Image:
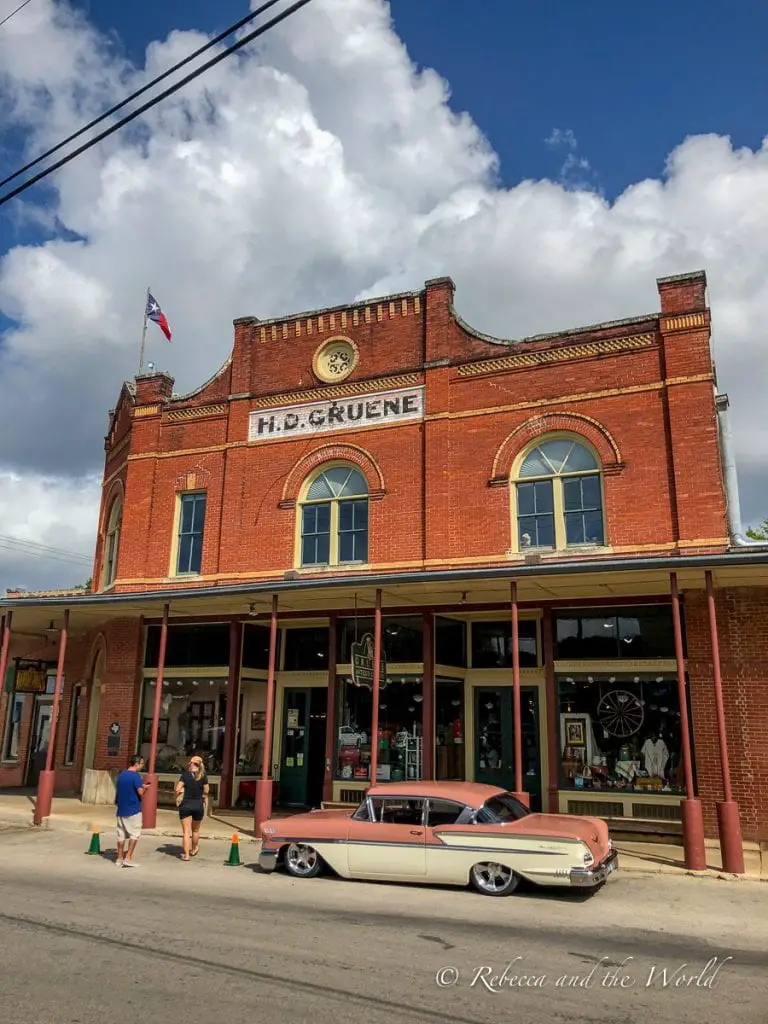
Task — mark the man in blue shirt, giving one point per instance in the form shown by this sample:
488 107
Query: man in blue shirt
129 791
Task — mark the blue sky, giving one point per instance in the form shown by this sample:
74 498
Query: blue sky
587 101
631 80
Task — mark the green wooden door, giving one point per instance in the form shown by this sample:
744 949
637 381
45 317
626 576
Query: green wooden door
294 761
494 739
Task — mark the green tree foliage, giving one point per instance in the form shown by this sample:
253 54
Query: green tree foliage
761 533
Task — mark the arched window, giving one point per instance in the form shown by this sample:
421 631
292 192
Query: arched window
112 543
558 497
334 518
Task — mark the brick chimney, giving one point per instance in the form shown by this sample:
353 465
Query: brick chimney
684 293
153 387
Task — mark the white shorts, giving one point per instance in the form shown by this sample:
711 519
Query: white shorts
129 828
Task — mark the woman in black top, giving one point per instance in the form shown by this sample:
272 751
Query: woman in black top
192 800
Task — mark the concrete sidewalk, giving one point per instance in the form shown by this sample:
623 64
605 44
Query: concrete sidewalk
69 814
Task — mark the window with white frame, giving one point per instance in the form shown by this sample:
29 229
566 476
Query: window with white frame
334 518
558 497
112 542
189 557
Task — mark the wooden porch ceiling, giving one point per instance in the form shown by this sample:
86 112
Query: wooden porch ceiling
33 615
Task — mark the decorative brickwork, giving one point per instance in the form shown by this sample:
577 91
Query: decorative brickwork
576 423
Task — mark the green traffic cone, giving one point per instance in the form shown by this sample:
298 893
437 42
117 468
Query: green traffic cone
234 853
95 846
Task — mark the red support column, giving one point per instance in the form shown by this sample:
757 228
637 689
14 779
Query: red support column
7 620
428 698
729 824
263 809
47 780
330 712
149 800
553 718
517 716
693 821
376 685
230 719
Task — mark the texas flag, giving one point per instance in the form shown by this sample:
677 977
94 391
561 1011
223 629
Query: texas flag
157 316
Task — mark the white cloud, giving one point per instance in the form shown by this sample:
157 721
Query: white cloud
320 167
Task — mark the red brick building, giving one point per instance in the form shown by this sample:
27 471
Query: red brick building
524 511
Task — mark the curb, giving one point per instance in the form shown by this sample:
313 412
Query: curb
165 833
56 825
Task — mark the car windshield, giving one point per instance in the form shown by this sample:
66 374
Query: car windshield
503 807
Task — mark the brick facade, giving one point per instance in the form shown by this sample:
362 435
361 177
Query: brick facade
640 393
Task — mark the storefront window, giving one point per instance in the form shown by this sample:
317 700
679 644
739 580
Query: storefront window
189 646
401 638
492 644
450 642
620 734
251 727
13 727
449 729
256 647
192 716
400 737
636 632
306 649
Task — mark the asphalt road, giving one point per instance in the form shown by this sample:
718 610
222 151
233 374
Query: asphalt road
84 943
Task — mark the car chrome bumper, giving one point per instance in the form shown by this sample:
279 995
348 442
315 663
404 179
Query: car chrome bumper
597 873
267 860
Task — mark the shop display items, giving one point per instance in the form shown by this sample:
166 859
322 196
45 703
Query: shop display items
621 735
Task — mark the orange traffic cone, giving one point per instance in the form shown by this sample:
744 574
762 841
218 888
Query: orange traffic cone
234 852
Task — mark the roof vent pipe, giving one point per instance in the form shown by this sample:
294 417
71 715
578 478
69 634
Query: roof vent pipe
731 478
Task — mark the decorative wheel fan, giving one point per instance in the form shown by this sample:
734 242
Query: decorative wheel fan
621 713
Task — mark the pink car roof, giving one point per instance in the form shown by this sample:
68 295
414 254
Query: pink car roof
474 794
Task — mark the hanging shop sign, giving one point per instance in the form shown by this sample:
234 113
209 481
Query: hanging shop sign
363 662
31 680
379 409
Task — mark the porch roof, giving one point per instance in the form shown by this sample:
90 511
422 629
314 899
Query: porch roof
556 582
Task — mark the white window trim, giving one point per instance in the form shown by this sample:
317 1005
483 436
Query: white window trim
561 547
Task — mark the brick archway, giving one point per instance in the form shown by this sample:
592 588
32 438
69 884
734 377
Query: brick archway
115 492
351 453
539 426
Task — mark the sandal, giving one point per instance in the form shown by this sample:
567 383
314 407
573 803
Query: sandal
195 852
185 856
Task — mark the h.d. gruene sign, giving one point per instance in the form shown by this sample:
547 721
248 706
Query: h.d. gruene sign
337 414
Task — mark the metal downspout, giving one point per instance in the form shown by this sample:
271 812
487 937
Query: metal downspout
735 530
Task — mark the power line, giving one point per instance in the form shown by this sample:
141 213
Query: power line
9 16
35 550
153 102
139 92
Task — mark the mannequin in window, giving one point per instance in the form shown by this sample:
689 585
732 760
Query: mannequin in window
655 755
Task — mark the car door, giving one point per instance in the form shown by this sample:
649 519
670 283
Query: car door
392 844
445 863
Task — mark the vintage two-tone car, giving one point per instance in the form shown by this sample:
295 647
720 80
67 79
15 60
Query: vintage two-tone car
442 833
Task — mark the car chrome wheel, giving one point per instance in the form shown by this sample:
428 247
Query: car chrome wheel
493 879
302 861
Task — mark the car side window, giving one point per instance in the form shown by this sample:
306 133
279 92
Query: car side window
396 811
444 812
362 814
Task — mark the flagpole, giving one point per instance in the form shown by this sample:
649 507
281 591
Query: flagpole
143 335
